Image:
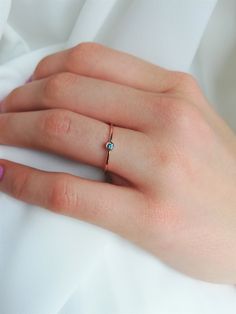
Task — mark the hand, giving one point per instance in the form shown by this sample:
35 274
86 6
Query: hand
173 165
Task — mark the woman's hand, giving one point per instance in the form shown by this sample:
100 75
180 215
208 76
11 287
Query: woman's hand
173 165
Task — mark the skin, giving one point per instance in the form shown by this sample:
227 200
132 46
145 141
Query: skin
173 167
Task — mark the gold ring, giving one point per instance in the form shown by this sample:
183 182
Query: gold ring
109 146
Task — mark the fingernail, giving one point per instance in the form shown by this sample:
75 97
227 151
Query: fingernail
29 80
1 172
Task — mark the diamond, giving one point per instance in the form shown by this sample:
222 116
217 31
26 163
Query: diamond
109 146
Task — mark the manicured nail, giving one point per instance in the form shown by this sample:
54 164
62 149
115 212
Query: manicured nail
1 172
30 79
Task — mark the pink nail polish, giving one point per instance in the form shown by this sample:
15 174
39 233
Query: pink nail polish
1 172
29 80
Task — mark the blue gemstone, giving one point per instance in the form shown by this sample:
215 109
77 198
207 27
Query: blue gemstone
109 146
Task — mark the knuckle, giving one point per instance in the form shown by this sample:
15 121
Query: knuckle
191 126
41 68
166 108
19 185
62 196
179 114
83 54
55 123
186 80
12 97
55 85
156 103
52 86
187 118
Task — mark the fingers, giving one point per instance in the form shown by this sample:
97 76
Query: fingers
77 137
98 61
112 207
101 100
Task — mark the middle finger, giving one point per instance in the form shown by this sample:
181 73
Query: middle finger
102 100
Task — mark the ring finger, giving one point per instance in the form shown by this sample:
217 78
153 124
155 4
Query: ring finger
77 137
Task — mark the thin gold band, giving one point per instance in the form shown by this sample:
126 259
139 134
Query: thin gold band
109 147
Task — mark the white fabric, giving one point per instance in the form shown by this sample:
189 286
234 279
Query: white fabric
54 264
215 63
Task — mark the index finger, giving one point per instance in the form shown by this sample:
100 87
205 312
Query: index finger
97 61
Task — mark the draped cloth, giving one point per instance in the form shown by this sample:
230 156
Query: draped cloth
52 264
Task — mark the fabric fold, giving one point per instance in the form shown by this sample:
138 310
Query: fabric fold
5 6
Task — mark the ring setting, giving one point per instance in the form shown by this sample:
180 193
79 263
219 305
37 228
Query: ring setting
110 145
